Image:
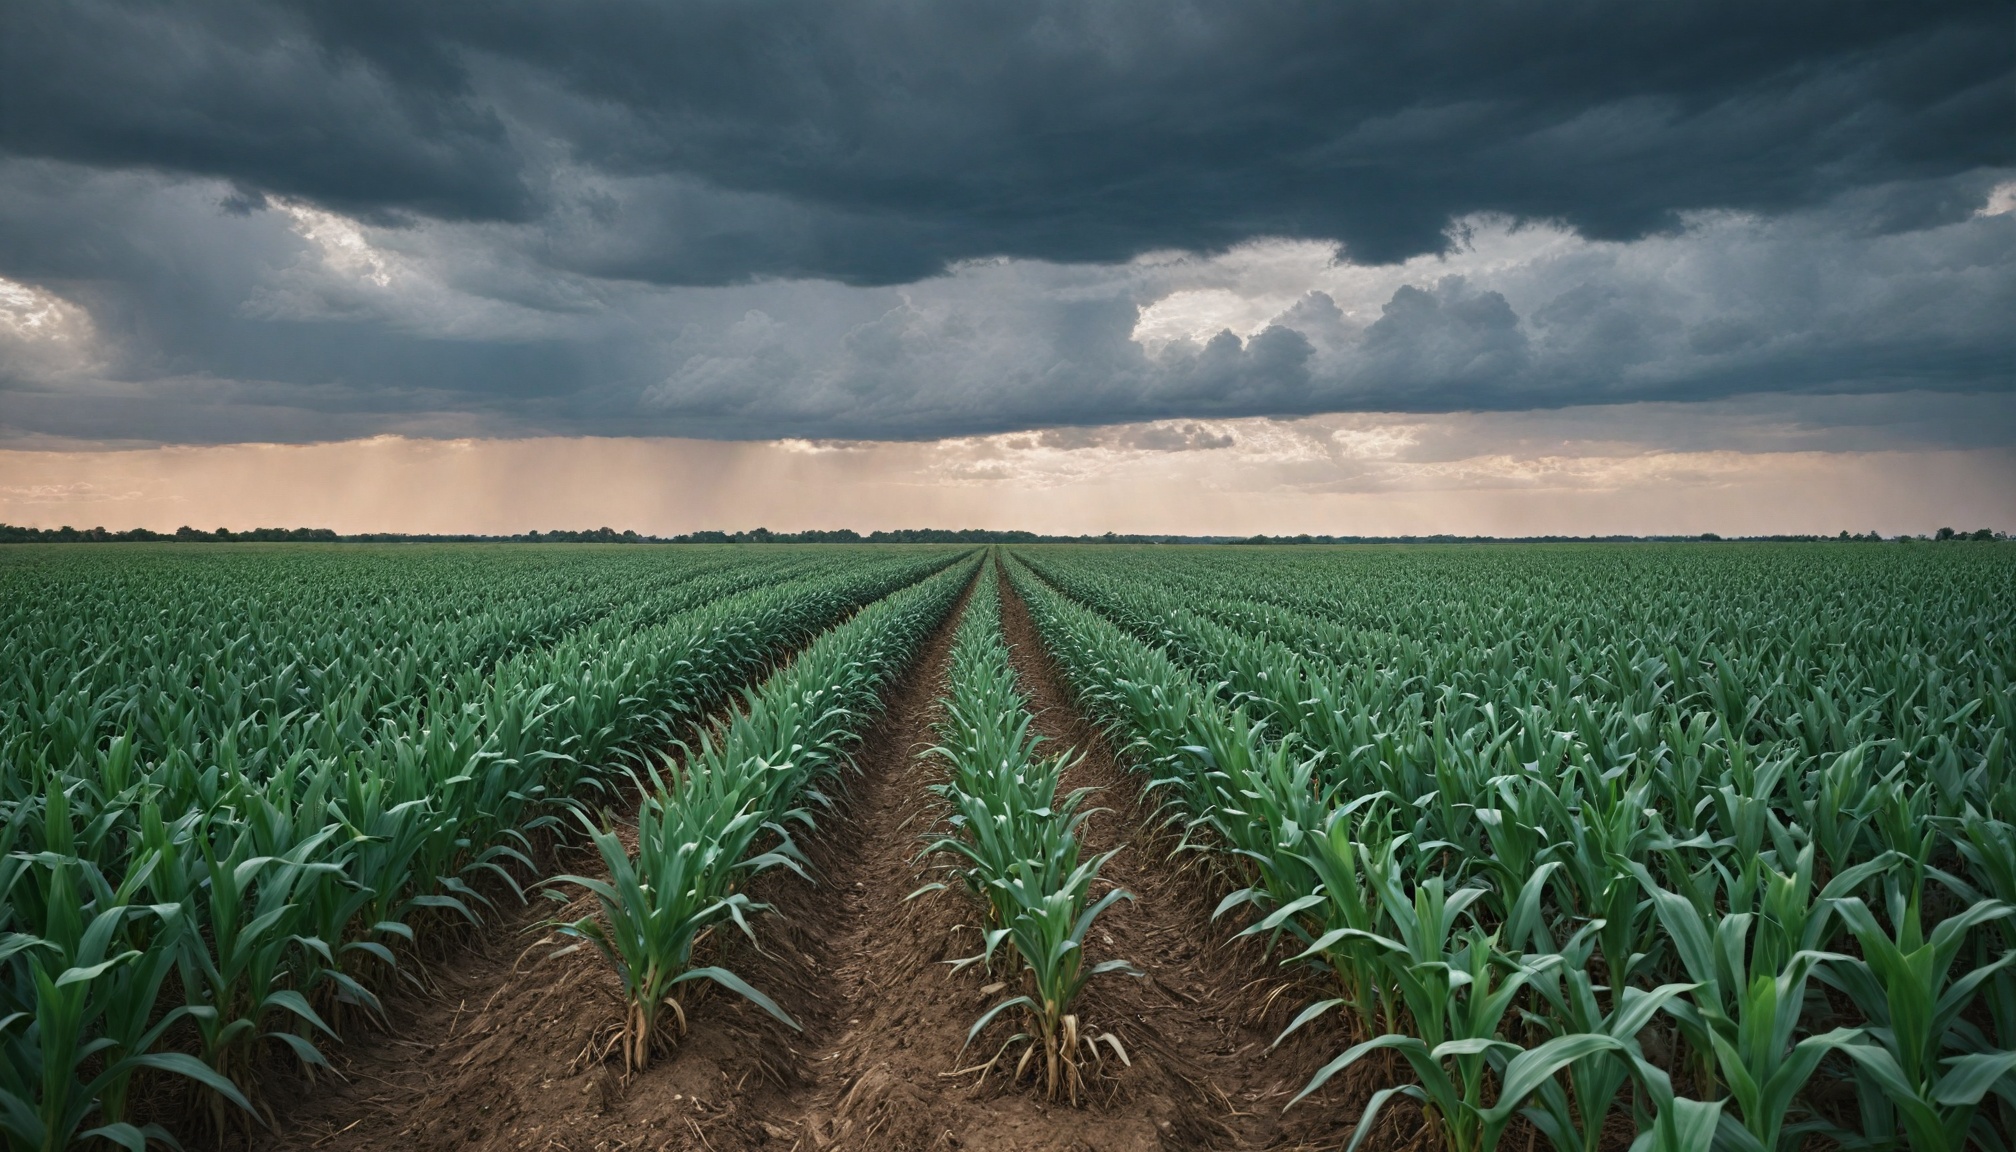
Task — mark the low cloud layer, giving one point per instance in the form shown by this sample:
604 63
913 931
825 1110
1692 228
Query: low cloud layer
151 313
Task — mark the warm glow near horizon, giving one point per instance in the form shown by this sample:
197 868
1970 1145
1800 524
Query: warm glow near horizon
1319 476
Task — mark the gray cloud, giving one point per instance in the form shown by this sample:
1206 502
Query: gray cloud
1448 338
1179 436
299 221
202 322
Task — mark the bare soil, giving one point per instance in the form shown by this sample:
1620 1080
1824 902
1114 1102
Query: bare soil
510 1048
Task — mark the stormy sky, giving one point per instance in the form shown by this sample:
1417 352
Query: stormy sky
1597 230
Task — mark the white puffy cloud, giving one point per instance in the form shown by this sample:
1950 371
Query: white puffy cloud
43 337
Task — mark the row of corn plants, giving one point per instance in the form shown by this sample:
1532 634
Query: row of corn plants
182 653
1014 846
1907 653
1586 892
731 808
184 914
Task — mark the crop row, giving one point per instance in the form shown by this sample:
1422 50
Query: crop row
178 909
728 811
1698 875
192 662
1014 846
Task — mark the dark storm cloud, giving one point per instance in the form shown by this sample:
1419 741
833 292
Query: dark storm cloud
874 142
294 221
254 93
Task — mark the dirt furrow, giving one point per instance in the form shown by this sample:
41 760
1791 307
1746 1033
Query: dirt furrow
887 1017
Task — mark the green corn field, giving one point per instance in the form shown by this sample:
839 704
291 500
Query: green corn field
1530 806
1688 847
255 779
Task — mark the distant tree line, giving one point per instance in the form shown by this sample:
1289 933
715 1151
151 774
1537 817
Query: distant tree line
1844 537
13 534
849 536
558 536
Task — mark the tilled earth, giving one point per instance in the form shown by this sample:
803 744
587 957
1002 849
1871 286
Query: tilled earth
510 1048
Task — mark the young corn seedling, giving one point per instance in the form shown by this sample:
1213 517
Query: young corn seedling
240 971
1047 930
1572 1118
1591 844
73 1043
1747 1002
1345 921
1000 825
655 905
1989 848
1458 1003
1002 798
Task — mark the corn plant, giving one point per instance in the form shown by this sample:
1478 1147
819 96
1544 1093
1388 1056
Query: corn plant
1458 990
79 1022
1572 1117
1749 995
1047 929
1003 809
657 902
1347 921
241 968
1901 984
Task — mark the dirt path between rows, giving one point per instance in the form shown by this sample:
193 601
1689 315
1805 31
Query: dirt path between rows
506 1053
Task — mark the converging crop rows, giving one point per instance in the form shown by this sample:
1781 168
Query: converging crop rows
1700 848
1015 846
